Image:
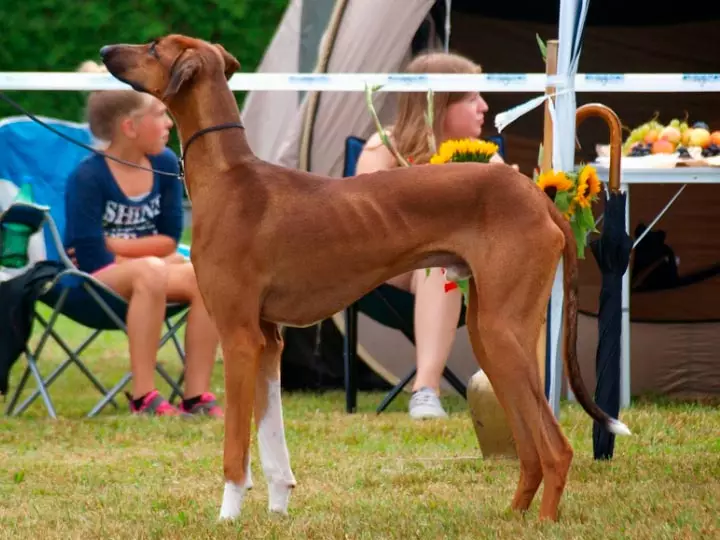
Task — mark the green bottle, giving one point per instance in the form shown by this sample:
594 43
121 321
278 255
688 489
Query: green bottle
15 237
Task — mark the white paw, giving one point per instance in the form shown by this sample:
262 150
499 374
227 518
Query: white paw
279 498
232 500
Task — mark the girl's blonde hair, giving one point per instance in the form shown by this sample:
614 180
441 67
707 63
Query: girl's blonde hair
410 133
105 107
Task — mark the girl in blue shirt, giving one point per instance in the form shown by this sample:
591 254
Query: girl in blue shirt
123 225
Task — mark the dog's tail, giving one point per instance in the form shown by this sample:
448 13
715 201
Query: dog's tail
570 285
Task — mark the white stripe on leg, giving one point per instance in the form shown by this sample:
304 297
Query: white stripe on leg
274 454
234 495
232 500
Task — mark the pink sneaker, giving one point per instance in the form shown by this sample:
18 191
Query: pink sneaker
206 406
155 405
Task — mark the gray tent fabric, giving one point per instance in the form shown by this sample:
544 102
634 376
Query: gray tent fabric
362 46
266 114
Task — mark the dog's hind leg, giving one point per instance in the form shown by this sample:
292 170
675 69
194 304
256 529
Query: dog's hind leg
506 318
530 467
242 347
269 419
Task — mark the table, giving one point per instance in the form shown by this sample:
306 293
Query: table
629 176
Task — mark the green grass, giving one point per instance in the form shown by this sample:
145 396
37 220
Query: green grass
359 476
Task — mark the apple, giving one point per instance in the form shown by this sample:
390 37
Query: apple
663 146
651 136
685 139
699 137
671 134
715 138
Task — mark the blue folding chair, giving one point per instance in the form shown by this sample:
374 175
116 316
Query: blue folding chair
30 153
387 305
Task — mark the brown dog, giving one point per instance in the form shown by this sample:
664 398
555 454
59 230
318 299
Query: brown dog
276 246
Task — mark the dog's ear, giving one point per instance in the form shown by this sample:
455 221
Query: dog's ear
231 63
183 70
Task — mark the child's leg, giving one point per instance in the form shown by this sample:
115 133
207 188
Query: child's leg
436 318
201 338
143 282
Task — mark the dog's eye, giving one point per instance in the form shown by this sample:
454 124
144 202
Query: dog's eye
151 49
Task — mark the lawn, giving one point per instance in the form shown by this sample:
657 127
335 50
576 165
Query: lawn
359 476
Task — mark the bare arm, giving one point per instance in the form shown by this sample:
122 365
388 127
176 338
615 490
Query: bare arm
497 158
375 157
158 245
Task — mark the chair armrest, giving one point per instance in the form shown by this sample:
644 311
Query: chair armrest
79 277
26 214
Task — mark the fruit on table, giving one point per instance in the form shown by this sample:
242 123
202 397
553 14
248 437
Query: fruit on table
712 150
699 137
653 137
671 134
662 146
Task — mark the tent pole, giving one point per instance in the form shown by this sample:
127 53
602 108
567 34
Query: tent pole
625 335
546 164
448 11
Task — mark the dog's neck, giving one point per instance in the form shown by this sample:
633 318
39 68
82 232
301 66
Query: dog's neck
211 103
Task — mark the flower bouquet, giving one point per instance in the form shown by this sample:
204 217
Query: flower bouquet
573 194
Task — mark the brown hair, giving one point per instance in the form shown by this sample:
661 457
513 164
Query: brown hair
105 107
409 132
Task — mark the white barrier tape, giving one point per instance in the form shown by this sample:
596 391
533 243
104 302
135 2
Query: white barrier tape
504 119
394 82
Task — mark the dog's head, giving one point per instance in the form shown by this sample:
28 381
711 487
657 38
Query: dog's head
168 66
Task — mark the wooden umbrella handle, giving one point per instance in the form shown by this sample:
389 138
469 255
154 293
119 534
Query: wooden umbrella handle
613 122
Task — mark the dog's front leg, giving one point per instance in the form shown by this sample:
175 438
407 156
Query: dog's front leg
242 348
269 419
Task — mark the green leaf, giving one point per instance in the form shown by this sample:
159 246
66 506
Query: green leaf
543 47
579 234
588 220
562 201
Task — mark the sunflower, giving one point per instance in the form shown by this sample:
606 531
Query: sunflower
591 179
464 150
552 182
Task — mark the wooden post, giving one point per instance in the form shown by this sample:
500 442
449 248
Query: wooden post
550 69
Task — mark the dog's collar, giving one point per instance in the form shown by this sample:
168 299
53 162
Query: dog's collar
219 127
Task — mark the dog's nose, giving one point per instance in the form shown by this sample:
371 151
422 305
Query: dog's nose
105 50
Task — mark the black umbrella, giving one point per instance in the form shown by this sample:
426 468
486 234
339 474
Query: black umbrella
612 253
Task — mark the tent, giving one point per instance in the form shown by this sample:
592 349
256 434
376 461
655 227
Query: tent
675 330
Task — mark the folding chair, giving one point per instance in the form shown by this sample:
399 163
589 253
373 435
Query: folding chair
387 305
29 153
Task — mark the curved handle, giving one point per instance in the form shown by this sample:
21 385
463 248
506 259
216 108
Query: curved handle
613 122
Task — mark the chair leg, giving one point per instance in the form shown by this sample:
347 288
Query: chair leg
455 382
41 387
350 354
18 391
43 391
395 391
115 390
73 357
172 335
168 379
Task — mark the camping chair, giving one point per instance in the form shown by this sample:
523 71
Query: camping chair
387 305
31 154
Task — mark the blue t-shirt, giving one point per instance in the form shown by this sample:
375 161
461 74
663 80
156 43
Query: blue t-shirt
96 207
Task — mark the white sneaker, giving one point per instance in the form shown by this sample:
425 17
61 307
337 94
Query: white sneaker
425 403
